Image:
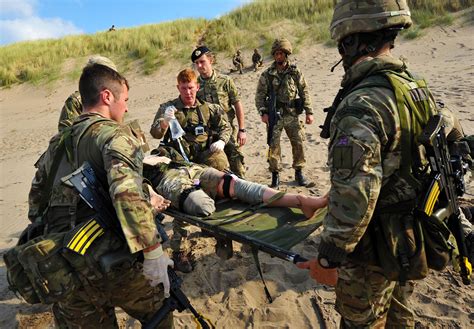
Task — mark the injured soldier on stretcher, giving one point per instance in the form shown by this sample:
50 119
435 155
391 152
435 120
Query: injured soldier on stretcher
192 188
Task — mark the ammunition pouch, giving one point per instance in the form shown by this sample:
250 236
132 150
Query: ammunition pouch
38 271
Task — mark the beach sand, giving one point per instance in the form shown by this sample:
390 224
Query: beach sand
230 292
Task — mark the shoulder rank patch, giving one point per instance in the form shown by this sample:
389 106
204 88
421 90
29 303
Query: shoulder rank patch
84 237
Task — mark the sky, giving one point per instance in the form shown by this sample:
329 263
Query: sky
42 19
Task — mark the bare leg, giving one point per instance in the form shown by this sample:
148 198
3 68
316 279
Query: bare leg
308 204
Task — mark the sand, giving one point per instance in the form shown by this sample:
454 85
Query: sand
230 292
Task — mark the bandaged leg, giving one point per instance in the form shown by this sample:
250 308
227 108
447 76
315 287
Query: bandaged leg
198 203
248 192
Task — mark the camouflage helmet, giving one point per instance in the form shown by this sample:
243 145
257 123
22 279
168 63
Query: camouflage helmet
101 60
363 16
283 45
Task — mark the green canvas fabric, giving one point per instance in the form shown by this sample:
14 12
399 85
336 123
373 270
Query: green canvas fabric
280 227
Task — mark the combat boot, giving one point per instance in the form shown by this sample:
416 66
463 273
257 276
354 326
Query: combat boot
300 179
275 179
182 262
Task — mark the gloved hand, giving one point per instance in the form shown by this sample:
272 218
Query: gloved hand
320 274
217 146
169 113
155 268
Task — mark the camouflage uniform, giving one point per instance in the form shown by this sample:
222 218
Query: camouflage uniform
72 109
115 153
256 60
238 62
288 85
364 154
220 89
197 146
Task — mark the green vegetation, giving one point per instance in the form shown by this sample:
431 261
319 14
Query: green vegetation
151 46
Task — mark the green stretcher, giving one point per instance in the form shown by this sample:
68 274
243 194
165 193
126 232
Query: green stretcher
274 230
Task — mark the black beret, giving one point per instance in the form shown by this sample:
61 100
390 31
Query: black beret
198 52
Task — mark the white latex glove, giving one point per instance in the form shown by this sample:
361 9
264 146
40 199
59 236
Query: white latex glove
155 268
217 146
169 113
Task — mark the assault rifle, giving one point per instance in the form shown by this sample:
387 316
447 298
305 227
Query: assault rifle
273 114
447 172
90 190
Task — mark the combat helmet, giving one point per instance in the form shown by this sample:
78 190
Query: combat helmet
364 16
283 45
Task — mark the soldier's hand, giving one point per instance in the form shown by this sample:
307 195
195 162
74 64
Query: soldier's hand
309 119
169 113
241 138
265 118
217 146
327 276
158 202
155 268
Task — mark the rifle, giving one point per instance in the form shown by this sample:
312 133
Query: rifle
176 301
90 190
447 173
273 114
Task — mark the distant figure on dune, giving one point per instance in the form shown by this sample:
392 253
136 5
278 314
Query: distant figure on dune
112 28
256 60
238 62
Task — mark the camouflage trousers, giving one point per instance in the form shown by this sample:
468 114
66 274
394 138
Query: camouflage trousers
234 153
294 129
216 160
92 304
365 298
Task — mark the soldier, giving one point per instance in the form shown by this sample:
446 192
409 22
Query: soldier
256 60
200 120
287 83
238 61
192 188
369 171
206 128
220 89
115 153
73 106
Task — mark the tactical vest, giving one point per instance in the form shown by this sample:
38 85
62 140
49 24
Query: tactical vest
399 240
287 103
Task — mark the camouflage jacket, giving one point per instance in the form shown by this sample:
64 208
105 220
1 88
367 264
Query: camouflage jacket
288 85
218 89
364 154
188 118
72 109
115 152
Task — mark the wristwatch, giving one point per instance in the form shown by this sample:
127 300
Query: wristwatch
242 130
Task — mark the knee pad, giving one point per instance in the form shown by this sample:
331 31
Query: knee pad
198 203
248 192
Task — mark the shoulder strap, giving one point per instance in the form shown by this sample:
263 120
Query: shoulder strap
412 95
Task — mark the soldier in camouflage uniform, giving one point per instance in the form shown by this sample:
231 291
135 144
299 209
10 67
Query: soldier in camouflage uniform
192 188
115 152
256 59
238 61
206 128
73 106
292 97
365 159
200 121
220 89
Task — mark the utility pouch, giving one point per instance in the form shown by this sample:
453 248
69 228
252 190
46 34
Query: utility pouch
18 281
50 275
399 246
299 105
437 246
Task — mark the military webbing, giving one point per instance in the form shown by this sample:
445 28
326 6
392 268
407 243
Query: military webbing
413 95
